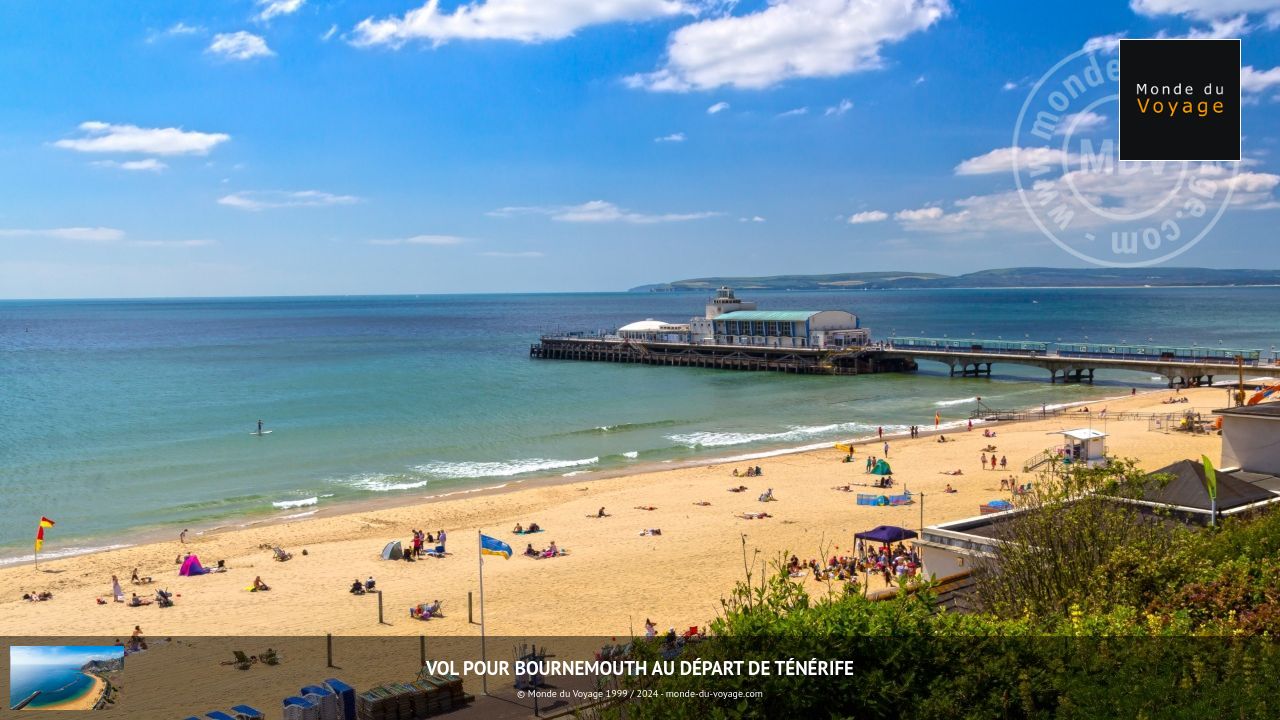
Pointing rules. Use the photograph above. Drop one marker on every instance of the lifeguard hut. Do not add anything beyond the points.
(1083, 446)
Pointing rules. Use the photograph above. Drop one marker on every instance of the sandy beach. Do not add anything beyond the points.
(85, 701)
(613, 577)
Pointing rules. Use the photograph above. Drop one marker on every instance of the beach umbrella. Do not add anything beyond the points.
(886, 534)
(881, 468)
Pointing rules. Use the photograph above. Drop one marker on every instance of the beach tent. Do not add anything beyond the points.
(881, 468)
(393, 551)
(192, 566)
(886, 534)
(1003, 504)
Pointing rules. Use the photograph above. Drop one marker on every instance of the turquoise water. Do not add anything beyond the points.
(122, 415)
(56, 683)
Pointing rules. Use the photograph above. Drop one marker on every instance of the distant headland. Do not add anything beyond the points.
(1001, 278)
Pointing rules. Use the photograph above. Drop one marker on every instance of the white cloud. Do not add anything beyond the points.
(436, 240)
(1203, 9)
(239, 46)
(1003, 159)
(83, 234)
(1079, 122)
(273, 8)
(600, 211)
(794, 112)
(271, 199)
(787, 39)
(752, 219)
(527, 21)
(523, 254)
(328, 34)
(868, 216)
(718, 107)
(672, 138)
(1009, 85)
(841, 108)
(1105, 44)
(97, 236)
(145, 165)
(1256, 81)
(100, 137)
(924, 213)
(1122, 193)
(1232, 27)
(175, 30)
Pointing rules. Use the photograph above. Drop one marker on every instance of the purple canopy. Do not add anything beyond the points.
(886, 534)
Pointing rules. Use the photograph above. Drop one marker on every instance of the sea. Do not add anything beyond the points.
(57, 684)
(120, 418)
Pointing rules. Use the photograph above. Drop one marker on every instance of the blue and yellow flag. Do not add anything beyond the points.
(494, 546)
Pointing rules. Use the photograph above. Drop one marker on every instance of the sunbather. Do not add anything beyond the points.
(601, 513)
(370, 584)
(645, 507)
(519, 529)
(138, 602)
(136, 580)
(357, 587)
(258, 585)
(957, 471)
(740, 488)
(533, 528)
(948, 489)
(530, 551)
(651, 531)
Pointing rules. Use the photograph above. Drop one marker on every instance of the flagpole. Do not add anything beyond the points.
(484, 677)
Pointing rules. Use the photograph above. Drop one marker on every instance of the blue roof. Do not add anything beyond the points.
(770, 315)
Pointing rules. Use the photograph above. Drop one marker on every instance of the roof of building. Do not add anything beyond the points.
(649, 325)
(1082, 434)
(770, 315)
(1187, 488)
(1265, 410)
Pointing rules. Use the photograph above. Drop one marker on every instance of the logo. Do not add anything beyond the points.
(1086, 200)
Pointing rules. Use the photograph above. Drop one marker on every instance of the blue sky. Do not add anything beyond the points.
(61, 655)
(321, 146)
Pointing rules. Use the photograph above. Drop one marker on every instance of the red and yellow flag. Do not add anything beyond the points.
(44, 523)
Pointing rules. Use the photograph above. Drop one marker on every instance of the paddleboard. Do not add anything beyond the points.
(264, 432)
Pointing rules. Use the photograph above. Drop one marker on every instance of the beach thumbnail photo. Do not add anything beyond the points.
(63, 677)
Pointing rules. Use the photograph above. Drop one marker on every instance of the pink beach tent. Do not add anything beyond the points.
(192, 566)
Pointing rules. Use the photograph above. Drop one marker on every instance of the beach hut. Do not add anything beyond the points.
(393, 551)
(191, 566)
(885, 534)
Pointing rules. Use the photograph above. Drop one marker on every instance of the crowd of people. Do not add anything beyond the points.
(895, 565)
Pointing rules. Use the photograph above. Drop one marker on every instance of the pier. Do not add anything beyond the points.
(1064, 367)
(843, 361)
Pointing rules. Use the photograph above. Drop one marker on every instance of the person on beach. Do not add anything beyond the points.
(880, 431)
(886, 449)
(182, 537)
(650, 630)
(116, 591)
(530, 551)
(601, 513)
(948, 489)
(357, 587)
(259, 426)
(258, 585)
(993, 461)
(983, 461)
(369, 584)
(1004, 462)
(970, 424)
(440, 540)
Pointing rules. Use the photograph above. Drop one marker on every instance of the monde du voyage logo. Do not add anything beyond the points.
(1129, 164)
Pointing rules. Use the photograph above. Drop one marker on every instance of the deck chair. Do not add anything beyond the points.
(280, 553)
(244, 712)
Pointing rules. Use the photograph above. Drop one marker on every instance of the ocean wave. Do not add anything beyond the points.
(961, 401)
(711, 439)
(632, 455)
(286, 504)
(507, 468)
(380, 482)
(60, 553)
